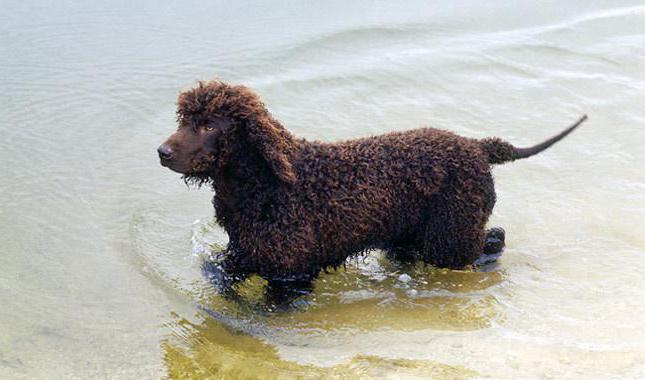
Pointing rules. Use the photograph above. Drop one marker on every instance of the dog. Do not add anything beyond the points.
(292, 207)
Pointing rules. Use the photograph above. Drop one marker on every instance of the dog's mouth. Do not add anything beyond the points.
(174, 166)
(165, 162)
(196, 168)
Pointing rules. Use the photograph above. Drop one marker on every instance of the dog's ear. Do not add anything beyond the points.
(273, 143)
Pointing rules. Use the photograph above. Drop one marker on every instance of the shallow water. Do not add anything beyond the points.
(101, 247)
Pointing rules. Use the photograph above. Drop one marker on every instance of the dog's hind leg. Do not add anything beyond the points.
(495, 237)
(495, 241)
(454, 233)
(493, 247)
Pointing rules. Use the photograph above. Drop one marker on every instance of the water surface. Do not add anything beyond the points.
(101, 247)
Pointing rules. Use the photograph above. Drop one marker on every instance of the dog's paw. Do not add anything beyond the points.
(493, 247)
(495, 241)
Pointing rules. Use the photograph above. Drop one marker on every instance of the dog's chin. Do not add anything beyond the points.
(197, 179)
(174, 167)
(200, 172)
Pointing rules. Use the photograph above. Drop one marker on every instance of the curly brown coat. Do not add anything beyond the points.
(293, 207)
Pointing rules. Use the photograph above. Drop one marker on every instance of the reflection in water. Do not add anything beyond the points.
(237, 336)
(211, 350)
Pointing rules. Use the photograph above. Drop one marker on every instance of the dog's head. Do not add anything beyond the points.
(220, 123)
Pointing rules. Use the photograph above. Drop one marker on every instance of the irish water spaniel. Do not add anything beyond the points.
(293, 207)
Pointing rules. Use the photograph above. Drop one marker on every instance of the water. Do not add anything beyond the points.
(101, 247)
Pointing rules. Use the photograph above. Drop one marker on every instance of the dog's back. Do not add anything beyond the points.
(376, 191)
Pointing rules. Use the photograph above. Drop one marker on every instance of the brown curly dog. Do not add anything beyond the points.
(293, 207)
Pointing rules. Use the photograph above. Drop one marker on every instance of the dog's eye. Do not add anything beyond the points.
(208, 128)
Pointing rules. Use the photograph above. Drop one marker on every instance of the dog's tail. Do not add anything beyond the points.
(499, 151)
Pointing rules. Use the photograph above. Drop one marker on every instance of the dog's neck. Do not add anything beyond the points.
(245, 175)
(242, 188)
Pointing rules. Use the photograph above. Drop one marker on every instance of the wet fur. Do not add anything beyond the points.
(293, 207)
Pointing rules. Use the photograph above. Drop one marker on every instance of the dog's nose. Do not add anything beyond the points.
(165, 152)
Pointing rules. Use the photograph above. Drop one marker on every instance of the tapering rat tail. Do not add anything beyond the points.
(499, 151)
